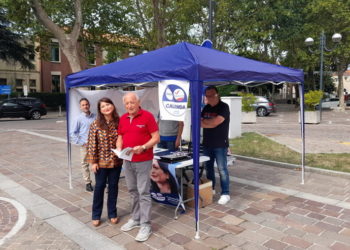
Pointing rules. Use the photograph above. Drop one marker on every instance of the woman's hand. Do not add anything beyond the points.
(95, 167)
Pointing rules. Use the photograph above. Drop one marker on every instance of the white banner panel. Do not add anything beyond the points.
(148, 98)
(173, 99)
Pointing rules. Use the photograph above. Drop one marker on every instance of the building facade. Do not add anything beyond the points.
(49, 73)
(56, 67)
(12, 73)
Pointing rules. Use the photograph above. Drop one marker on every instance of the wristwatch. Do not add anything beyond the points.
(144, 148)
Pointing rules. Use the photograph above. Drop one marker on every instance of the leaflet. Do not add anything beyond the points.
(125, 154)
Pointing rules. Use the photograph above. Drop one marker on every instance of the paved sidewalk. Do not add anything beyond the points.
(269, 208)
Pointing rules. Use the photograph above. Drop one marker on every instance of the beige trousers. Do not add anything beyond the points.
(84, 165)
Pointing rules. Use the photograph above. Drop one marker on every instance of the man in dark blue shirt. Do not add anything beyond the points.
(215, 120)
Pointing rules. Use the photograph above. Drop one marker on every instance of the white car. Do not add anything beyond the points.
(330, 103)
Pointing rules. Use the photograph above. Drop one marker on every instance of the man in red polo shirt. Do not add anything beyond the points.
(138, 130)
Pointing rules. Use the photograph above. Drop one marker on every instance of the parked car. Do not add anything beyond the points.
(264, 106)
(328, 103)
(27, 107)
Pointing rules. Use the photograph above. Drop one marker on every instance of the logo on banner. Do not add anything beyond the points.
(175, 100)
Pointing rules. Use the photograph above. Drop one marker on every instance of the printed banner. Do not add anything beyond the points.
(173, 99)
(164, 185)
(148, 98)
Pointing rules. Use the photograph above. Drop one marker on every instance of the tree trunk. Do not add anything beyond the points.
(159, 13)
(68, 42)
(341, 89)
(69, 48)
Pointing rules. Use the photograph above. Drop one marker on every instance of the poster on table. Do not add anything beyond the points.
(173, 99)
(164, 185)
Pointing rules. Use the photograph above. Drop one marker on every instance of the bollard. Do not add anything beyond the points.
(59, 111)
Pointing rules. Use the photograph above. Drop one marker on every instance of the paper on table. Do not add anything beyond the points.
(123, 153)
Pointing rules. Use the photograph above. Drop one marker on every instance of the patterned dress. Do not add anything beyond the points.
(100, 145)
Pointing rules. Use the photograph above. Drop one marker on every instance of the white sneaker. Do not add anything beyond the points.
(131, 224)
(144, 233)
(224, 199)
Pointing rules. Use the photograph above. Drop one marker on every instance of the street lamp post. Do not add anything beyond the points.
(336, 38)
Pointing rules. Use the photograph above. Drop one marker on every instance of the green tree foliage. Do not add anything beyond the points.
(165, 22)
(90, 21)
(13, 46)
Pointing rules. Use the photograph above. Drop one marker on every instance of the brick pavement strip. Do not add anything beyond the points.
(260, 202)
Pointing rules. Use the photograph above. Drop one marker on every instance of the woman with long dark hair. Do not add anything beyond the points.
(104, 163)
(162, 181)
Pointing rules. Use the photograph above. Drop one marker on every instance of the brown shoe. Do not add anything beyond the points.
(96, 223)
(114, 220)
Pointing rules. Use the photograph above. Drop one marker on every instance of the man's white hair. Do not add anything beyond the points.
(131, 93)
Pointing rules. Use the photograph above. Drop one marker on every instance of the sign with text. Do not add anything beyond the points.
(5, 89)
(173, 98)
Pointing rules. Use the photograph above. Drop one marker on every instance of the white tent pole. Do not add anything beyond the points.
(69, 147)
(302, 127)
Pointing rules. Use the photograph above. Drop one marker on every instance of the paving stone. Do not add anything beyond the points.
(196, 245)
(217, 214)
(215, 231)
(318, 247)
(157, 242)
(300, 211)
(172, 246)
(316, 216)
(301, 219)
(278, 212)
(345, 217)
(255, 237)
(336, 237)
(272, 233)
(294, 232)
(253, 218)
(230, 219)
(179, 239)
(235, 212)
(215, 243)
(333, 221)
(252, 246)
(345, 231)
(293, 248)
(275, 225)
(274, 244)
(340, 246)
(319, 239)
(331, 213)
(296, 241)
(313, 229)
(328, 227)
(136, 245)
(252, 211)
(250, 226)
(123, 239)
(232, 248)
(236, 240)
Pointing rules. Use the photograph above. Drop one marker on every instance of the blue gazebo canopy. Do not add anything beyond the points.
(185, 61)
